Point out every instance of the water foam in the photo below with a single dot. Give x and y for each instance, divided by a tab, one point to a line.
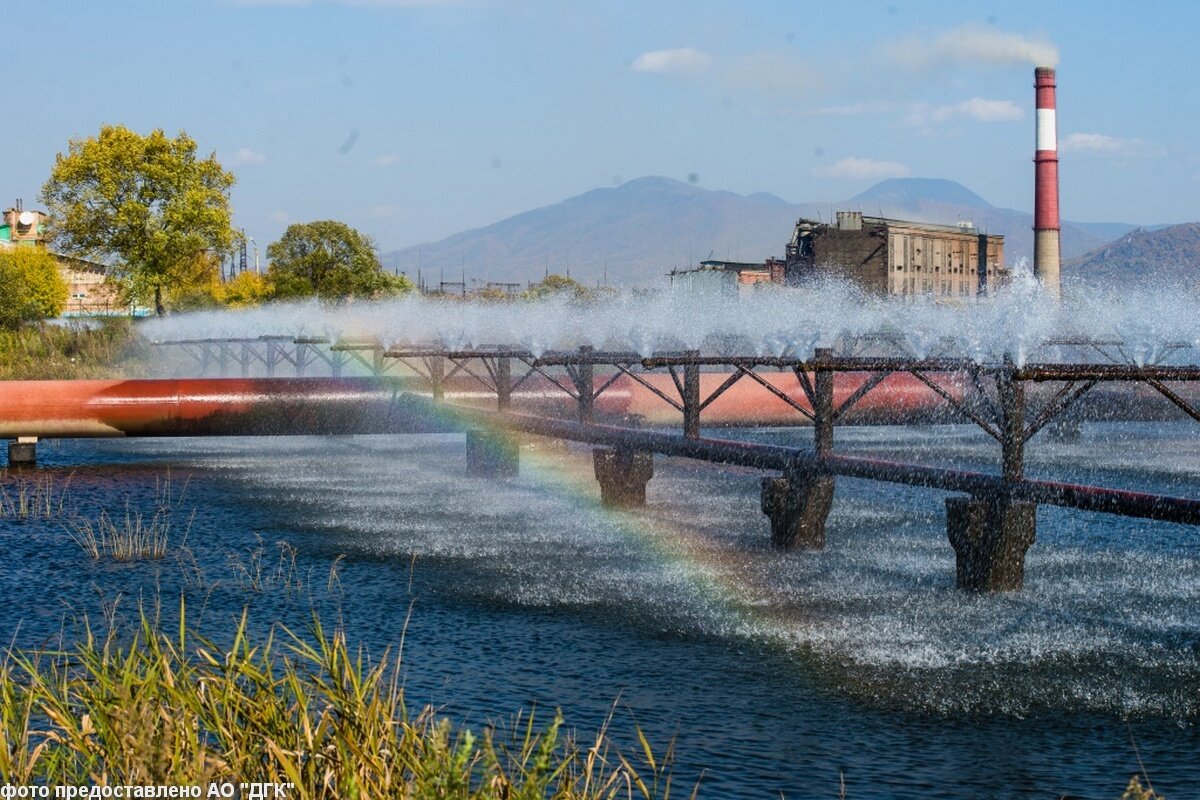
1014	321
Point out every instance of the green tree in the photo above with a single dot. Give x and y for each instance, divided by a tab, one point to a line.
33	288
146	204
329	260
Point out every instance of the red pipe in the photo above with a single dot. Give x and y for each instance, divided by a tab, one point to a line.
194	407
269	406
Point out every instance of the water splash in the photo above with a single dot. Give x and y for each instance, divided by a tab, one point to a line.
1017	321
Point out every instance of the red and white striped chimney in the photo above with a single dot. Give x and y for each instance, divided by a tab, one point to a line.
1046	248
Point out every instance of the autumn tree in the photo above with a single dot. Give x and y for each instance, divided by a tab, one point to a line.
244	290
146	205
555	285
329	260
31	287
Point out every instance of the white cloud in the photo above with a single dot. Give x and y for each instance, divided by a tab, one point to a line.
862	169
387	160
244	156
1101	144
679	61
973	44
923	115
981	110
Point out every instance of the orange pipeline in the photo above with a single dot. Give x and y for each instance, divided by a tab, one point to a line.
269	406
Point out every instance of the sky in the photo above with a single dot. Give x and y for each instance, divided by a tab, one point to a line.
415	119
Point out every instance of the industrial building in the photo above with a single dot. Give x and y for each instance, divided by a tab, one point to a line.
728	278
883	256
22	227
89	292
894	257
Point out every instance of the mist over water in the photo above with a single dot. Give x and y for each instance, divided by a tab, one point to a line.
1013	321
1105	628
1103	625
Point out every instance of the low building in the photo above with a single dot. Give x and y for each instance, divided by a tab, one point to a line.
894	257
728	278
89	292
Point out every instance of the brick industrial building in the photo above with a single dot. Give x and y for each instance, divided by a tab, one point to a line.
883	256
893	257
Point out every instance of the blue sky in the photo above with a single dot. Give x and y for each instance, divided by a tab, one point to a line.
414	120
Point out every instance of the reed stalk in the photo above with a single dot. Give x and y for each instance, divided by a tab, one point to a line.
132	537
37	497
171	707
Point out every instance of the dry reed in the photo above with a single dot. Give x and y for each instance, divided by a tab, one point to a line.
134	536
36	497
174	708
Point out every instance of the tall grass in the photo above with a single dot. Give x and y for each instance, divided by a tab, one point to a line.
36	497
48	351
173	707
134	536
258	572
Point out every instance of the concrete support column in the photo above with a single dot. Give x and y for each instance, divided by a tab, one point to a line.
491	455
798	505
503	376
823	406
991	533
585	387
990	537
301	359
437	377
22	452
691	398
623	475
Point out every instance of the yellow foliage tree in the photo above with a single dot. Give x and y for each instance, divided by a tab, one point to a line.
244	290
33	289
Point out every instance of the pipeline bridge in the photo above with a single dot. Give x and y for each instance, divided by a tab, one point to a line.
990	516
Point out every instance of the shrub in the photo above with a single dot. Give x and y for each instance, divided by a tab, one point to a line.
32	289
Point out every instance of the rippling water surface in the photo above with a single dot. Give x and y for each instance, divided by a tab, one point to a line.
775	672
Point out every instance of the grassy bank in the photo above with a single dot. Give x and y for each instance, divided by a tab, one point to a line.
159	707
47	351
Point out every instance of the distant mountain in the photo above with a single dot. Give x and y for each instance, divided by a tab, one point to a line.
917	191
1167	256
636	232
948	202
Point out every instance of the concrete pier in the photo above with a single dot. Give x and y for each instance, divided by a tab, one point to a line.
798	506
990	537
623	475
22	452
491	455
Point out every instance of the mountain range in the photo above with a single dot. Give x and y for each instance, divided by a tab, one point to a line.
1168	256
635	233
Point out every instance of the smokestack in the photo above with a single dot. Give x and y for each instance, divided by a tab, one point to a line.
1046	248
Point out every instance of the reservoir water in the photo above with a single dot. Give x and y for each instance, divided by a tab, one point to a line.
774	673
